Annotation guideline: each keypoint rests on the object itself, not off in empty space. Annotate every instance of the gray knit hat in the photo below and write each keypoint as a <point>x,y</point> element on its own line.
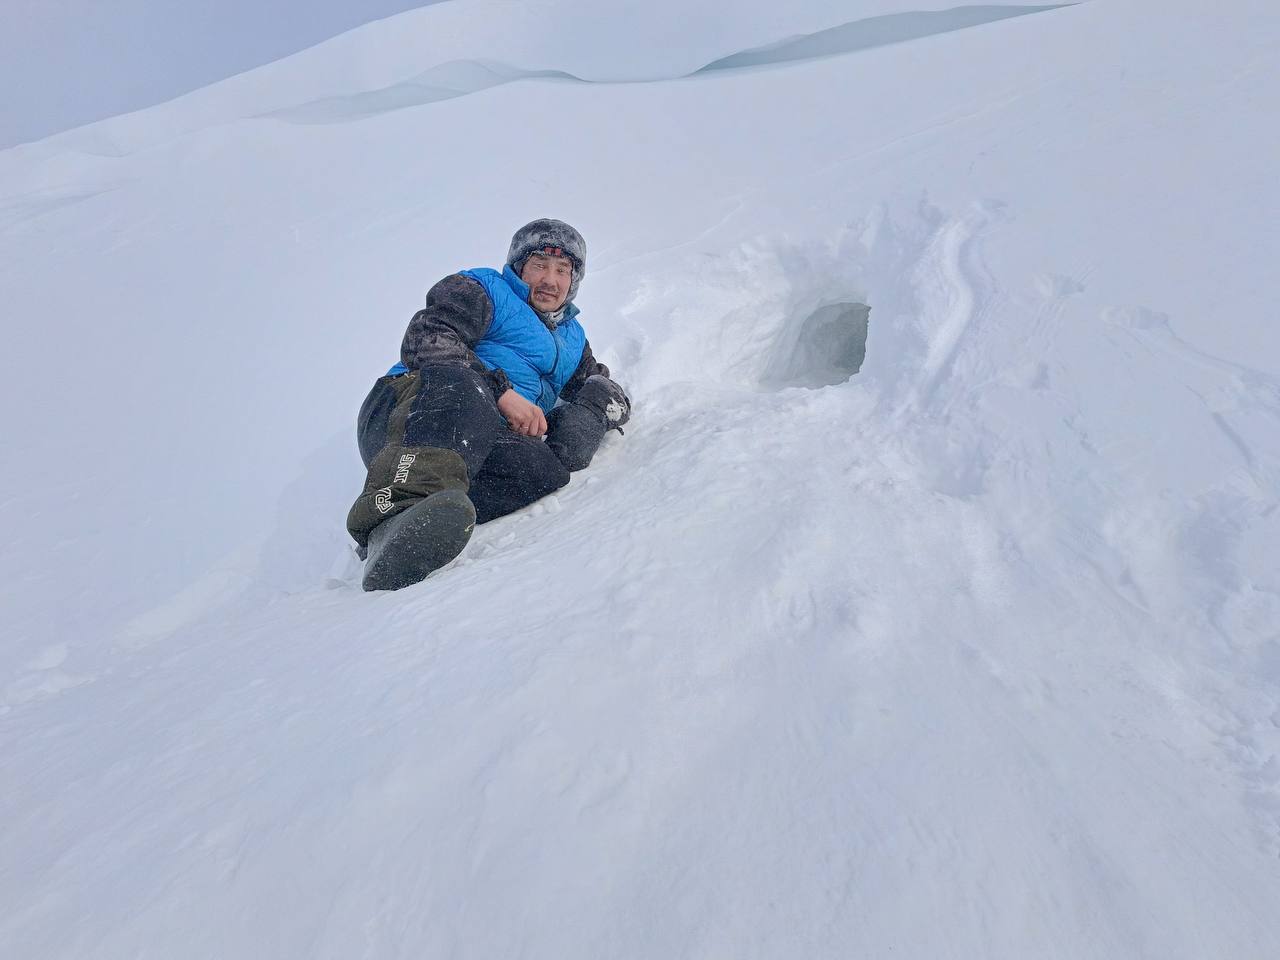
<point>554,237</point>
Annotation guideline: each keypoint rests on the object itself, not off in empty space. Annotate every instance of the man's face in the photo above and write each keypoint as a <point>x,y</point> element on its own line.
<point>548,278</point>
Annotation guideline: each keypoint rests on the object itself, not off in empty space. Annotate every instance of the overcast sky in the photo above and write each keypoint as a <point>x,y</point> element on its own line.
<point>68,62</point>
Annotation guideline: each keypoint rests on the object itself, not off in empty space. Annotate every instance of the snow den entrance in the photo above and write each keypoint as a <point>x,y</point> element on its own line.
<point>824,349</point>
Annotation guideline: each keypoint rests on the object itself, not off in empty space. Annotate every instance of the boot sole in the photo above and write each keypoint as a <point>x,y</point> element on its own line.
<point>412,545</point>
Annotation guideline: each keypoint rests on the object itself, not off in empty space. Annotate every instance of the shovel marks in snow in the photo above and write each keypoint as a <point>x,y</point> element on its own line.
<point>953,291</point>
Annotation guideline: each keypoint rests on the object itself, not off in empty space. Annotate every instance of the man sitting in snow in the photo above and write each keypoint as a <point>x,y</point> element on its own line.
<point>496,398</point>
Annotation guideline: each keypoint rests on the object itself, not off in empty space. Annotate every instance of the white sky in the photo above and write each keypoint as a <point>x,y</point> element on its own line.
<point>64,63</point>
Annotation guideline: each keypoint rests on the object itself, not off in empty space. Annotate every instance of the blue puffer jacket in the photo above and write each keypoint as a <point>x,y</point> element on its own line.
<point>538,361</point>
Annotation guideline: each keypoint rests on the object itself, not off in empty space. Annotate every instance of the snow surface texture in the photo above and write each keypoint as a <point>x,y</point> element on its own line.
<point>973,654</point>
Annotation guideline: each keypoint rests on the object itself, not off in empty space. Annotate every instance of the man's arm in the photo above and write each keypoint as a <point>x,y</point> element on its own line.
<point>588,366</point>
<point>605,393</point>
<point>457,316</point>
<point>596,405</point>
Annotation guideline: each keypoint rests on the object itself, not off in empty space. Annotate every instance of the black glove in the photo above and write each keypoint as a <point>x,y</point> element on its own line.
<point>606,400</point>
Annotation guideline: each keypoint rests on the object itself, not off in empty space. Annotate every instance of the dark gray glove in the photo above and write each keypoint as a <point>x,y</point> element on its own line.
<point>574,430</point>
<point>604,396</point>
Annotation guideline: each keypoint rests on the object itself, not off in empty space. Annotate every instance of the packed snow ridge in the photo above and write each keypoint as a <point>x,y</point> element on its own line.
<point>929,606</point>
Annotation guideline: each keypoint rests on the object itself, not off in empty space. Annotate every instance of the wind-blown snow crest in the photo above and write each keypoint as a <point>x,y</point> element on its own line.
<point>973,652</point>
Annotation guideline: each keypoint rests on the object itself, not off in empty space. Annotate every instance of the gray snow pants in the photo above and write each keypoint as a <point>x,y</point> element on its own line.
<point>438,428</point>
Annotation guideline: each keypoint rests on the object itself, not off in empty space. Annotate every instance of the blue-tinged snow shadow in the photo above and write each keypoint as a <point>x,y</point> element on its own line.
<point>871,32</point>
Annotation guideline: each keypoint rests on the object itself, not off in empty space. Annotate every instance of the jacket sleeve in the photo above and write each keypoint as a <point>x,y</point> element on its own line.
<point>457,316</point>
<point>587,367</point>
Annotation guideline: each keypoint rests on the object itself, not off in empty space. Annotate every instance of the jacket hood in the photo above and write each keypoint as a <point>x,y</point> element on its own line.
<point>539,234</point>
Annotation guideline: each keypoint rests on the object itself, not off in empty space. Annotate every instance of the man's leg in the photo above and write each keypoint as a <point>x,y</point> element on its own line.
<point>421,433</point>
<point>574,430</point>
<point>518,471</point>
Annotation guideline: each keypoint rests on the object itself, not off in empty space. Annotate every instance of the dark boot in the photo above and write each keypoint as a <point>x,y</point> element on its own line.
<point>418,541</point>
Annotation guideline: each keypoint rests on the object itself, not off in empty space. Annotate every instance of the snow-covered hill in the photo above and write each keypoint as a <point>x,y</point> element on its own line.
<point>974,654</point>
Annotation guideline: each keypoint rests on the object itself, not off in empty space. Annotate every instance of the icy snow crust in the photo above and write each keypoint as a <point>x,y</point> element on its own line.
<point>975,654</point>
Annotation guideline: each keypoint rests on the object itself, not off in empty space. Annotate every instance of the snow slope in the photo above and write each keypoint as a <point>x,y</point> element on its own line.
<point>975,654</point>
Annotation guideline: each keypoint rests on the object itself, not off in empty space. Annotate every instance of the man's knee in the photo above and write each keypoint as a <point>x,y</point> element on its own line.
<point>574,435</point>
<point>545,477</point>
<point>554,473</point>
<point>531,465</point>
<point>519,471</point>
<point>373,423</point>
<point>454,409</point>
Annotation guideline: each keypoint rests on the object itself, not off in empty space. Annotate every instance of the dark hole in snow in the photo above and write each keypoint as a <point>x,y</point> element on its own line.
<point>824,349</point>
